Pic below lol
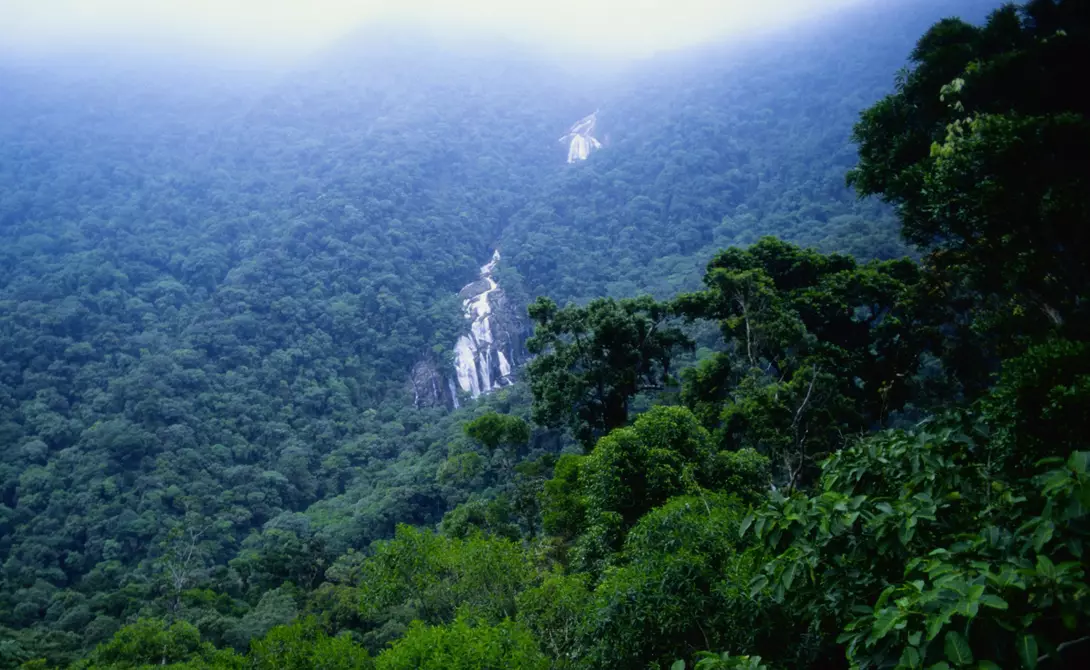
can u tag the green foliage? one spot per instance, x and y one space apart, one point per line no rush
743 473
554 613
591 361
432 576
304 646
205 411
506 438
816 347
492 517
592 501
498 430
152 643
564 507
213 288
980 147
1040 406
212 292
633 470
277 607
962 555
464 646
723 661
669 598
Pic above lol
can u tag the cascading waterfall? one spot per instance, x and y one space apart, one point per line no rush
580 139
480 363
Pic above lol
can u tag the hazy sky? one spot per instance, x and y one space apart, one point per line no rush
295 27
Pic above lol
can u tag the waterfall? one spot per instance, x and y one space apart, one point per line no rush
480 362
580 138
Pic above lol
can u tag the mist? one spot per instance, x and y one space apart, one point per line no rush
285 31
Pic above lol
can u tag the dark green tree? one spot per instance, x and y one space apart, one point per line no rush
591 361
982 150
816 347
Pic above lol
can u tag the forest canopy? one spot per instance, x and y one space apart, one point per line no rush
768 424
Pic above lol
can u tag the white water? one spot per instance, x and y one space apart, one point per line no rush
580 139
465 363
474 352
453 393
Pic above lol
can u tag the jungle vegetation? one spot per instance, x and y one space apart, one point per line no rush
771 422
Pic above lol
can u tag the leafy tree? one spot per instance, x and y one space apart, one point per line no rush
980 149
464 646
150 642
591 361
304 646
1040 405
433 576
554 611
564 506
933 532
816 347
508 435
744 473
492 517
669 598
495 431
632 470
277 607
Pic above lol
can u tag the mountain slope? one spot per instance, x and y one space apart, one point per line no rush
211 301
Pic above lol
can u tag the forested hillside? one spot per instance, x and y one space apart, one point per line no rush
214 286
211 314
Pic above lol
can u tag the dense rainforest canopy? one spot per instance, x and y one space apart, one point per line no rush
772 421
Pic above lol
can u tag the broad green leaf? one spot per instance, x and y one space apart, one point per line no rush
789 575
1045 567
757 585
994 602
934 625
746 522
1079 461
884 623
1042 535
910 658
1027 651
678 665
957 649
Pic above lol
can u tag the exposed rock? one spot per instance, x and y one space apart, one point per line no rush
430 389
474 289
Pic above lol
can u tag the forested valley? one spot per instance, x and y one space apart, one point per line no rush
803 379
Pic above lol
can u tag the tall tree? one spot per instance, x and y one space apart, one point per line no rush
591 361
816 347
982 150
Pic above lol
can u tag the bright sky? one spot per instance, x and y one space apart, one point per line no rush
288 27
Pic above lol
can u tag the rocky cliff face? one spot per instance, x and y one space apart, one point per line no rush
486 357
580 139
430 387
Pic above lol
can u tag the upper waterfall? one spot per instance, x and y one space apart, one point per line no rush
483 356
580 138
